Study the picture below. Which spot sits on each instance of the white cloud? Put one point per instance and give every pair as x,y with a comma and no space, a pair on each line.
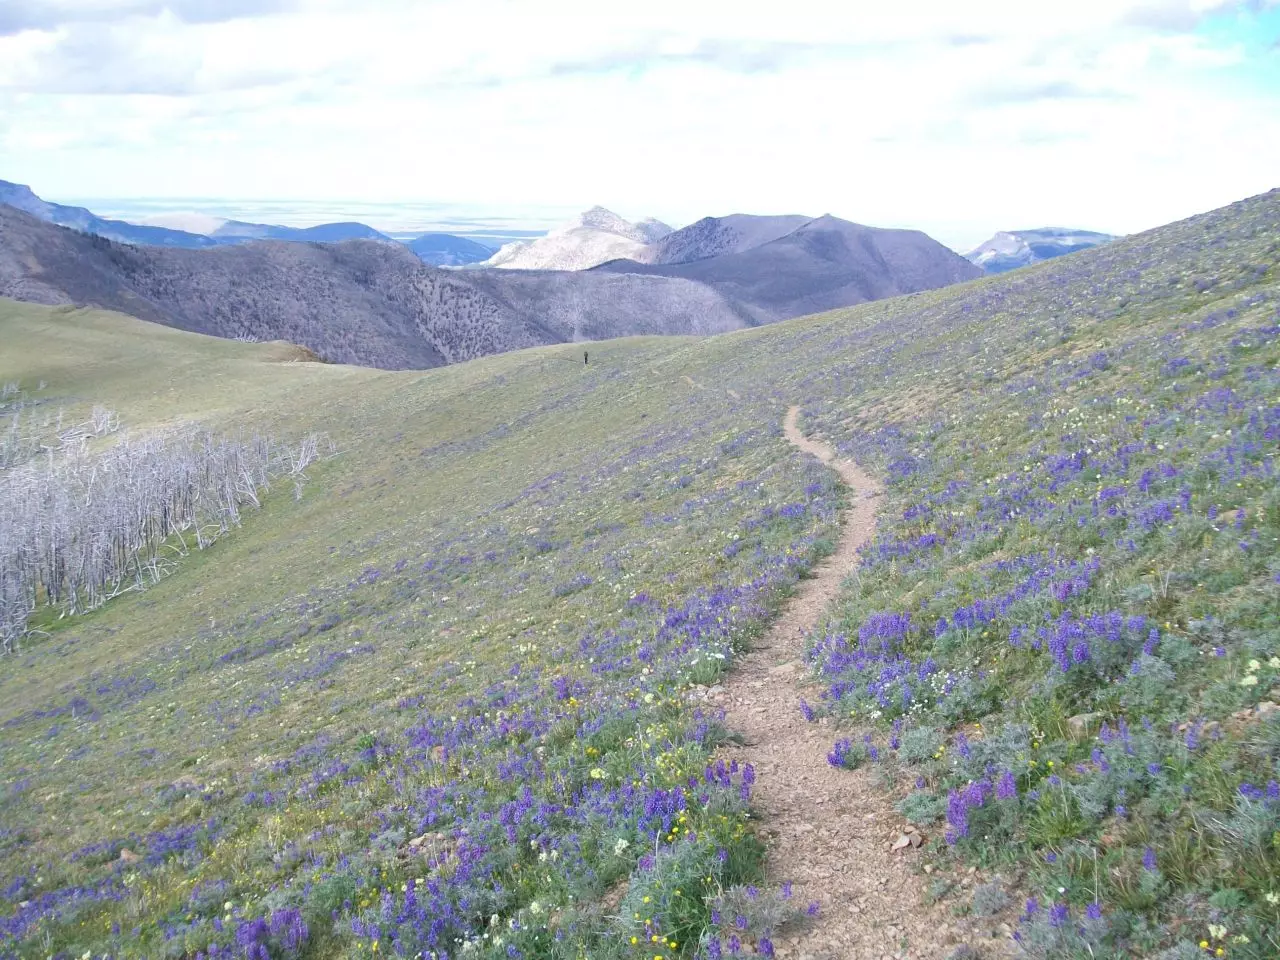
955,118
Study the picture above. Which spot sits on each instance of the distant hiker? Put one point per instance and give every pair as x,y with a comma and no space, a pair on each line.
584,358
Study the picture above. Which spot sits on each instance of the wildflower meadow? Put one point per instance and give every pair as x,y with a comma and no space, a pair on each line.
448,698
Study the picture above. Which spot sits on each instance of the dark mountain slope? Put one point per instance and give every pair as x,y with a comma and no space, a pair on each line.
824,264
596,305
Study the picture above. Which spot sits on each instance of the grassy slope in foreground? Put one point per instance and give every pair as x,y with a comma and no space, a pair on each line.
508,575
1068,627
471,628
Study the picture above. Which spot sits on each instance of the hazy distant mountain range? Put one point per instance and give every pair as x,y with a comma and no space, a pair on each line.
199,231
78,218
374,302
1012,249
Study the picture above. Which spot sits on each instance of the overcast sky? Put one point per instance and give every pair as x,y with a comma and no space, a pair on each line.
958,118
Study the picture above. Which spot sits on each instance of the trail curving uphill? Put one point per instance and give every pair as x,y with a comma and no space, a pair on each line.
827,829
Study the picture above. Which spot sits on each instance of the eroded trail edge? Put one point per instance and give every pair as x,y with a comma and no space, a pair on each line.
826,828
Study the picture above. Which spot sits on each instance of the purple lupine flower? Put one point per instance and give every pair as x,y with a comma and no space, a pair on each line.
957,814
839,752
1058,914
1149,859
1093,911
764,946
1006,786
1031,909
812,909
1193,737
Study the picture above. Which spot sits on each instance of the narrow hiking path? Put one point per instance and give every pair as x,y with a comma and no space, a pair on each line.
827,829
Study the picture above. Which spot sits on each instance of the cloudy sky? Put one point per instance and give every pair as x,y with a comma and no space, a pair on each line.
958,118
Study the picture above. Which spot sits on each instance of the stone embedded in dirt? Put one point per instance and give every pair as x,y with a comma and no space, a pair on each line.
903,841
128,856
1082,724
1266,709
613,897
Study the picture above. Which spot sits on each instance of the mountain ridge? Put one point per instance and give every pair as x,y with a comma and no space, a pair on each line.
823,264
356,301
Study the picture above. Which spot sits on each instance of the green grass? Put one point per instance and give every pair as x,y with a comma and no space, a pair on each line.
472,551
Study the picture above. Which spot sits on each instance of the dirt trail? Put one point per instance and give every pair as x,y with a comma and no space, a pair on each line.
827,829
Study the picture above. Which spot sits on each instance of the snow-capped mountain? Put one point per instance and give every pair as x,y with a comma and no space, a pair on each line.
594,237
1009,250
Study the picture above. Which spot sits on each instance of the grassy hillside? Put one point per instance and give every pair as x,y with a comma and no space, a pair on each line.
449,699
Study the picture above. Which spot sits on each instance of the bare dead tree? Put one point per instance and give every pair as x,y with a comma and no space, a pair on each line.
78,528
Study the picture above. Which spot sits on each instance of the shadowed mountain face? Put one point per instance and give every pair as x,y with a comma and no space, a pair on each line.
714,236
819,265
363,302
446,250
